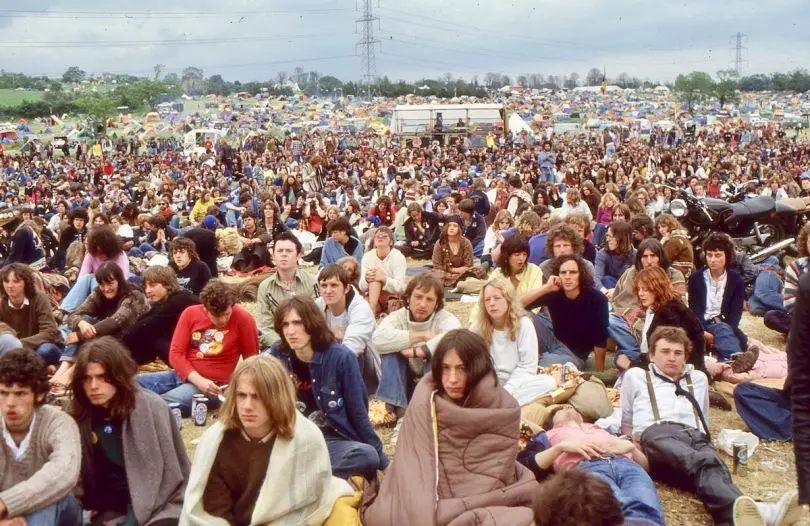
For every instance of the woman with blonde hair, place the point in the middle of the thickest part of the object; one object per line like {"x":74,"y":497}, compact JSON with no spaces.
{"x":261,"y":447}
{"x":494,"y":236}
{"x":510,"y":335}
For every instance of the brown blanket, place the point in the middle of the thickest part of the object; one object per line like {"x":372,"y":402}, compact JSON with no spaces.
{"x":455,"y":464}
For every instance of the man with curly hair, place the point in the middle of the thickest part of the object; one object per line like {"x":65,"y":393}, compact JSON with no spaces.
{"x":41,"y":452}
{"x":206,"y":345}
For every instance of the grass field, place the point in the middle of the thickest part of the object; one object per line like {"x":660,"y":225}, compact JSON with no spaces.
{"x":771,"y":471}
{"x":10,"y":97}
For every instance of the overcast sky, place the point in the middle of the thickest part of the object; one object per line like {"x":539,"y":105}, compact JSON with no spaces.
{"x":253,"y":40}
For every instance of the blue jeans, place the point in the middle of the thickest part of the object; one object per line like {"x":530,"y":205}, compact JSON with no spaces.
{"x":552,"y":350}
{"x":396,"y":380}
{"x":65,"y":512}
{"x":50,"y":352}
{"x":609,"y":282}
{"x":352,"y":458}
{"x":767,"y":293}
{"x":173,"y":390}
{"x":626,"y":343}
{"x":765,"y":410}
{"x":631,"y":485}
{"x":78,"y":293}
{"x":599,"y":232}
{"x":726,"y":343}
{"x":478,"y":249}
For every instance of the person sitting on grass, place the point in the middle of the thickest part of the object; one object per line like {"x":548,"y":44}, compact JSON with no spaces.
{"x":779,"y":320}
{"x":192,"y":274}
{"x":562,"y":240}
{"x":151,"y":336}
{"x":330,"y":389}
{"x":621,"y":463}
{"x":456,"y":460}
{"x":525,"y":277}
{"x":41,"y":451}
{"x":350,"y":319}
{"x":382,"y":271}
{"x":717,"y":295}
{"x":613,"y":260}
{"x":406,"y":338}
{"x":422,"y":231}
{"x":207,"y":343}
{"x":134,"y":462}
{"x":509,"y":333}
{"x":666,"y":407}
{"x":627,"y":316}
{"x":340,"y":243}
{"x":260,"y":448}
{"x":26,"y":312}
{"x":114,"y":306}
{"x":103,"y":245}
{"x":573,"y":303}
{"x":453,"y":255}
{"x":286,"y":281}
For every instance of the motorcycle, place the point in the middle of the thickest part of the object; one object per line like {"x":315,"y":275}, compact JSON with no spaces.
{"x":760,"y":226}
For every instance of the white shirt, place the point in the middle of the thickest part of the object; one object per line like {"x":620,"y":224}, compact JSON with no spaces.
{"x":516,"y":362}
{"x":637,"y":409}
{"x":648,"y":318}
{"x":17,"y":451}
{"x":714,"y":294}
{"x":395,"y":266}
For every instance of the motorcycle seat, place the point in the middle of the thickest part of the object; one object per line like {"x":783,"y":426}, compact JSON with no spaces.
{"x":800,"y":204}
{"x":756,"y":206}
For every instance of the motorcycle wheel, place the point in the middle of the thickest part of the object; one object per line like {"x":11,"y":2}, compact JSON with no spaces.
{"x":773,"y":231}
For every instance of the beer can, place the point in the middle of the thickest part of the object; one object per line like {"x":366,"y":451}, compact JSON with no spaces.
{"x":178,"y":416}
{"x":199,"y":409}
{"x":740,"y":458}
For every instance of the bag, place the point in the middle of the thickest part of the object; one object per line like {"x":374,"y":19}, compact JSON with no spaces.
{"x":591,"y":400}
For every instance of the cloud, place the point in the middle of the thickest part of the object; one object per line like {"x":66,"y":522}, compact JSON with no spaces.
{"x":252,"y":40}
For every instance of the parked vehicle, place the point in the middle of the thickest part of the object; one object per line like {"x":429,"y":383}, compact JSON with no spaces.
{"x":759,"y":225}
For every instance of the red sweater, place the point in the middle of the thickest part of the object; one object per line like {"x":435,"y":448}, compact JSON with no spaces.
{"x":199,"y":346}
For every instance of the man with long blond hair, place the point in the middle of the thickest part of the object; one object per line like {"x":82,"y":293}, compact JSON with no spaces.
{"x":261,"y":448}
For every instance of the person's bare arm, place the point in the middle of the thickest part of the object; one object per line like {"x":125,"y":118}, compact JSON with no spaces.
{"x":587,"y":451}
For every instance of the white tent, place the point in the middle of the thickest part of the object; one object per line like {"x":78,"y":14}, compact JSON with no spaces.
{"x":517,"y":125}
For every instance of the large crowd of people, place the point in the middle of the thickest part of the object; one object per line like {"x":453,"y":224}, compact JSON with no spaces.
{"x":352,"y":247}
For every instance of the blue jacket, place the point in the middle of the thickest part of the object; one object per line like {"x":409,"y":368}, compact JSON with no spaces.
{"x":340,"y":394}
{"x":611,"y":264}
{"x":333,"y":251}
{"x":733,"y":298}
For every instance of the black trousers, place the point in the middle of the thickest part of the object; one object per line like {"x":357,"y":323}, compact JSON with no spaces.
{"x":683,"y":457}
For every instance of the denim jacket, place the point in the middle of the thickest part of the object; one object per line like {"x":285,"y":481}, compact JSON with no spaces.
{"x":340,"y":393}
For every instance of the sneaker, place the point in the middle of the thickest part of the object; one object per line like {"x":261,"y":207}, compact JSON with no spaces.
{"x":746,"y":512}
{"x":789,"y":512}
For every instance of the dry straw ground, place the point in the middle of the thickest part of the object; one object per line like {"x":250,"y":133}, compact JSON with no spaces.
{"x":771,"y":471}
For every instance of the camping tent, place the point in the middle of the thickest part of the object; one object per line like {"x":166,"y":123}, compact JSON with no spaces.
{"x":518,"y":125}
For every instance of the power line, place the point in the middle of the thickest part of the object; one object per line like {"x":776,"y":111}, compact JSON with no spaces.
{"x":219,"y":66}
{"x":23,"y":13}
{"x":138,"y":43}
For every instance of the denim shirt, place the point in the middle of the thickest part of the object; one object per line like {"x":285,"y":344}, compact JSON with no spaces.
{"x":340,"y":394}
